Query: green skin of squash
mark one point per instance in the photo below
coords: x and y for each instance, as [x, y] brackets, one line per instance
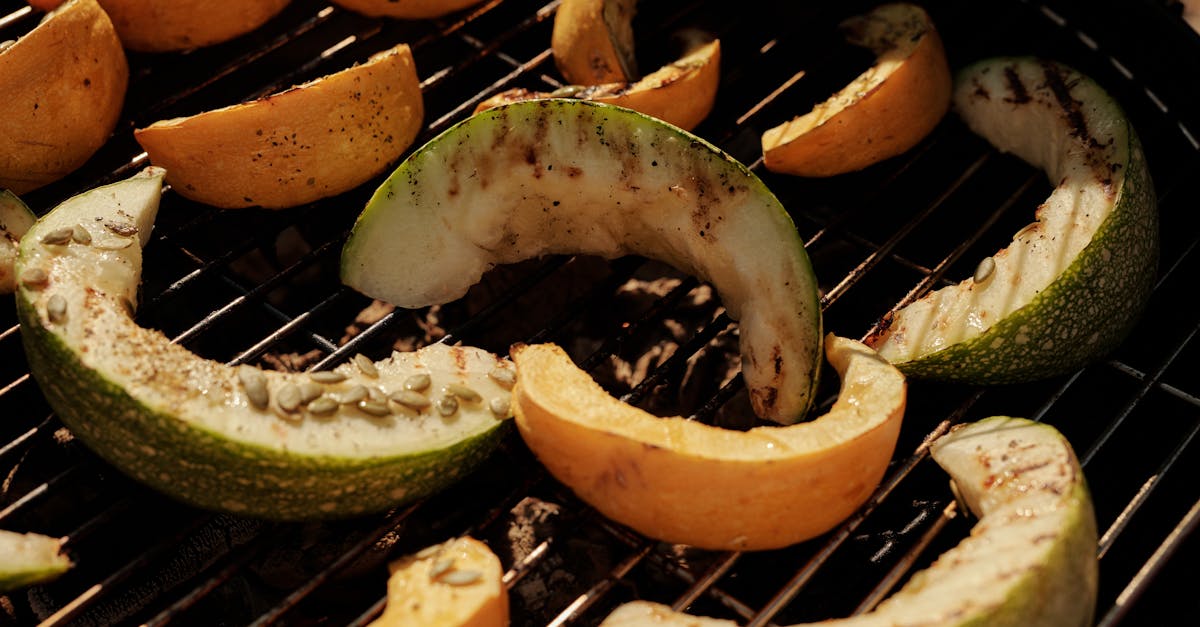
[196, 463]
[565, 176]
[1096, 300]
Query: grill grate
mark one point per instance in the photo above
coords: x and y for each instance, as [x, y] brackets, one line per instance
[253, 286]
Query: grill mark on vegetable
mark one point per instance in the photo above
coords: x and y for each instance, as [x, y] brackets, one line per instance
[1016, 87]
[1077, 122]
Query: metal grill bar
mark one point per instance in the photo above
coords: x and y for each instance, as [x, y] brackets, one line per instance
[468, 57]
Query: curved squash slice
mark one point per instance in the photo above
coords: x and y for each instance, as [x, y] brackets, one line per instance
[361, 438]
[1030, 561]
[312, 141]
[882, 113]
[63, 85]
[170, 25]
[592, 41]
[681, 93]
[1072, 284]
[686, 482]
[577, 177]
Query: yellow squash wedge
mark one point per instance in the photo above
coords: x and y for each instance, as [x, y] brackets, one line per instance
[681, 93]
[686, 482]
[884, 112]
[170, 25]
[318, 139]
[592, 41]
[63, 85]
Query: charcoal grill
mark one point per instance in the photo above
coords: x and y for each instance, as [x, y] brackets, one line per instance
[261, 287]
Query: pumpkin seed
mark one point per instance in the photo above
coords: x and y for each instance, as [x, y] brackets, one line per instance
[447, 405]
[288, 397]
[353, 395]
[461, 577]
[4, 45]
[440, 567]
[377, 395]
[309, 392]
[463, 392]
[327, 376]
[375, 408]
[500, 406]
[81, 235]
[366, 366]
[410, 399]
[504, 376]
[417, 382]
[34, 277]
[985, 269]
[58, 237]
[323, 406]
[255, 384]
[56, 309]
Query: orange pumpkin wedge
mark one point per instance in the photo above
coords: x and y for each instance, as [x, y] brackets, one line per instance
[592, 41]
[685, 482]
[680, 93]
[884, 112]
[63, 85]
[405, 9]
[312, 141]
[454, 584]
[170, 25]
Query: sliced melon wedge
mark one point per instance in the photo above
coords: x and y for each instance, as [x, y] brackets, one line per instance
[681, 93]
[362, 438]
[682, 481]
[563, 176]
[454, 584]
[15, 219]
[30, 558]
[1030, 560]
[1072, 283]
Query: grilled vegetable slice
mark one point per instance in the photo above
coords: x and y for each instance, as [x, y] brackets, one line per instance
[168, 25]
[15, 220]
[572, 176]
[312, 141]
[1072, 283]
[681, 93]
[683, 481]
[1030, 560]
[29, 558]
[453, 584]
[885, 111]
[64, 85]
[592, 41]
[362, 438]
